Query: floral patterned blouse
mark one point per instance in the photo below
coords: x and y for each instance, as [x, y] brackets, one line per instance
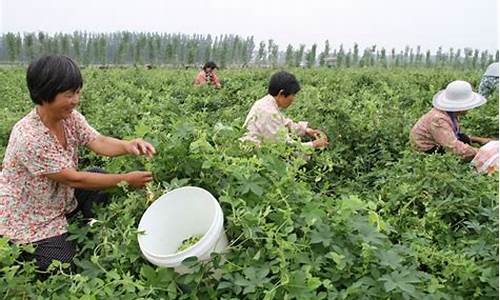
[32, 206]
[435, 129]
[265, 121]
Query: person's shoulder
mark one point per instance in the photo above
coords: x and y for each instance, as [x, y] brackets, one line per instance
[76, 114]
[76, 121]
[27, 124]
[267, 99]
[265, 106]
[438, 117]
[76, 117]
[435, 113]
[262, 102]
[27, 131]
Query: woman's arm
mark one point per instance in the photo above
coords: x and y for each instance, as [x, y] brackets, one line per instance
[108, 146]
[99, 181]
[480, 140]
[443, 135]
[216, 81]
[200, 78]
[298, 128]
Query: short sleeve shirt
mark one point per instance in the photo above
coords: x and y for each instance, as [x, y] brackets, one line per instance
[32, 206]
[265, 121]
[203, 78]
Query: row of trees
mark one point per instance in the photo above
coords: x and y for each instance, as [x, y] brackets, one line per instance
[227, 50]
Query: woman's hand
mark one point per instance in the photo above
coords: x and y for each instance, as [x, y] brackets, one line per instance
[314, 133]
[140, 147]
[138, 179]
[320, 143]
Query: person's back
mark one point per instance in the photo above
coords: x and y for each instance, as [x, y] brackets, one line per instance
[421, 135]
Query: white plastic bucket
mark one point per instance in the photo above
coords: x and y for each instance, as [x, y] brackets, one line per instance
[176, 216]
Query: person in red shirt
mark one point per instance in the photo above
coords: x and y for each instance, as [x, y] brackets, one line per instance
[207, 75]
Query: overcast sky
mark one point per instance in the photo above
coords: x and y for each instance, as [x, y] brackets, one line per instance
[388, 23]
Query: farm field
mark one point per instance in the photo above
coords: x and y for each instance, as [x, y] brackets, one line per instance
[366, 218]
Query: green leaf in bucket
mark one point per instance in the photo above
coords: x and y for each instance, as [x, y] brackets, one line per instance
[190, 241]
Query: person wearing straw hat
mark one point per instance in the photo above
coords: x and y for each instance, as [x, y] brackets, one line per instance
[489, 81]
[439, 130]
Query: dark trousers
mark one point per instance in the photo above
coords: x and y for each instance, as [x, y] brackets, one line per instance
[58, 247]
[440, 150]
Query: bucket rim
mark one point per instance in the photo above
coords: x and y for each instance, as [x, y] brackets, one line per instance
[216, 226]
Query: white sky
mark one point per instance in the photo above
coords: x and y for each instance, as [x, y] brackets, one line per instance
[388, 23]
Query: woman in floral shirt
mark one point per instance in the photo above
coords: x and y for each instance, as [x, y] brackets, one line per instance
[439, 130]
[265, 121]
[39, 176]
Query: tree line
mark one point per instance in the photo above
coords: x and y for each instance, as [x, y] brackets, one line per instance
[176, 50]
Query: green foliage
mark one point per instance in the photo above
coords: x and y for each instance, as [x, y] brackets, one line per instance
[364, 219]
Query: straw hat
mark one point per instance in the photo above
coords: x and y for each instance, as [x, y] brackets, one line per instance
[458, 96]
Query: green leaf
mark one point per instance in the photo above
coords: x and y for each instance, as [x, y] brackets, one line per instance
[322, 234]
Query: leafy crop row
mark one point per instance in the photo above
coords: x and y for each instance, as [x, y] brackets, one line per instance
[367, 218]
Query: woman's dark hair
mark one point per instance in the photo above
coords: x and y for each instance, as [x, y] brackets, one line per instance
[283, 81]
[210, 64]
[50, 75]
